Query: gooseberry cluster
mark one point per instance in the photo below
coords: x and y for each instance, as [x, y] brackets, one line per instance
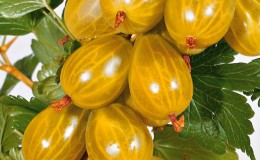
[132, 71]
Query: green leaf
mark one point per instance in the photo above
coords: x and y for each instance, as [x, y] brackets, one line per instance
[48, 87]
[217, 114]
[47, 48]
[214, 55]
[34, 104]
[18, 8]
[71, 46]
[48, 70]
[229, 76]
[23, 24]
[13, 154]
[206, 131]
[16, 154]
[5, 157]
[19, 26]
[211, 67]
[27, 66]
[51, 55]
[15, 114]
[255, 94]
[169, 146]
[48, 90]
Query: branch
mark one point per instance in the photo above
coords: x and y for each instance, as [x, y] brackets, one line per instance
[4, 48]
[17, 74]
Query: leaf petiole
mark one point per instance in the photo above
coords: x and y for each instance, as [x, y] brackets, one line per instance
[58, 19]
[53, 20]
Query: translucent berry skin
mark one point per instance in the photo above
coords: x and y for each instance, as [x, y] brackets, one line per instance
[56, 135]
[84, 19]
[141, 15]
[116, 132]
[96, 74]
[162, 30]
[159, 80]
[148, 121]
[205, 21]
[244, 32]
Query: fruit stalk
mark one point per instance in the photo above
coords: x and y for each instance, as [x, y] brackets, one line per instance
[186, 59]
[59, 104]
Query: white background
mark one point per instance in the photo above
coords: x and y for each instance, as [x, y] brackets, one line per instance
[22, 47]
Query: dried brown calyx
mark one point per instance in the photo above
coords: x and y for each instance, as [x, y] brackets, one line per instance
[178, 124]
[120, 17]
[191, 42]
[64, 40]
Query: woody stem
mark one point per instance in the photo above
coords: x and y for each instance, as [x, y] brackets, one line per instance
[6, 59]
[4, 48]
[17, 74]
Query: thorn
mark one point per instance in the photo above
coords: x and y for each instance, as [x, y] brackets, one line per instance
[186, 59]
[177, 124]
[120, 17]
[59, 104]
[63, 40]
[191, 42]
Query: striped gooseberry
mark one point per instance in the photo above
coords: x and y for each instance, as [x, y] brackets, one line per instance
[244, 32]
[147, 120]
[162, 31]
[116, 132]
[84, 19]
[56, 135]
[159, 80]
[196, 25]
[96, 73]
